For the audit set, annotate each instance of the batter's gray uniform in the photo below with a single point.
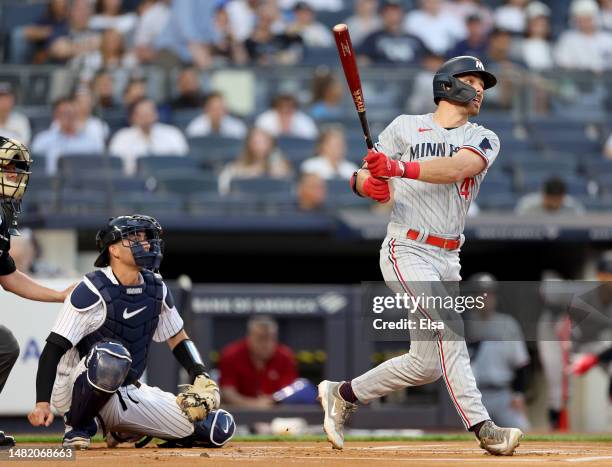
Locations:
(434, 209)
(142, 410)
(501, 350)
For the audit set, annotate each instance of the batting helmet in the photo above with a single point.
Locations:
(120, 228)
(447, 86)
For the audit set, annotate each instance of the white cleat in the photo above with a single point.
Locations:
(499, 441)
(337, 411)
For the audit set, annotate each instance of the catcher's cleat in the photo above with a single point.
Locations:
(114, 439)
(79, 438)
(6, 441)
(337, 411)
(499, 441)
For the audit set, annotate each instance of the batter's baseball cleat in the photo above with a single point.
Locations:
(79, 438)
(6, 441)
(499, 441)
(337, 411)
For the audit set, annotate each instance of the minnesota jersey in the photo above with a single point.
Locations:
(435, 208)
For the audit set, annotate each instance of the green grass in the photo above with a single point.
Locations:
(428, 437)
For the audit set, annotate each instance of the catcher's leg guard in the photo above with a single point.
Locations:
(107, 365)
(212, 432)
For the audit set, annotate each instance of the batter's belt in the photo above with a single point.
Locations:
(446, 243)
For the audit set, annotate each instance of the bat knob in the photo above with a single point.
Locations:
(340, 27)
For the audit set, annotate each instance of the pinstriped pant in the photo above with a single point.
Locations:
(415, 268)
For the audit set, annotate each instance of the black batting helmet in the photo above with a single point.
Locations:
(120, 228)
(447, 86)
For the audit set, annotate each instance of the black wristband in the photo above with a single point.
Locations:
(521, 377)
(50, 357)
(188, 356)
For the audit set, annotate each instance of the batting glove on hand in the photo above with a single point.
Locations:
(376, 189)
(584, 364)
(381, 166)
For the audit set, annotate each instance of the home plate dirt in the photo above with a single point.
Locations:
(280, 453)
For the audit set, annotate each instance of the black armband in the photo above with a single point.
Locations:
(188, 356)
(605, 356)
(353, 183)
(519, 384)
(55, 348)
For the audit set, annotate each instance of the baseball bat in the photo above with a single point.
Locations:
(351, 73)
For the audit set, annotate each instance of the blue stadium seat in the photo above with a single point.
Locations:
(338, 186)
(14, 14)
(80, 202)
(214, 203)
(348, 201)
(296, 149)
(545, 165)
(71, 165)
(113, 184)
(604, 182)
(214, 150)
(319, 56)
(182, 118)
(151, 203)
(601, 204)
(261, 185)
(497, 201)
(595, 168)
(154, 165)
(495, 183)
(187, 182)
(575, 185)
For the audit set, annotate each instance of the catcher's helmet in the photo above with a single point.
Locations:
(447, 86)
(14, 160)
(120, 228)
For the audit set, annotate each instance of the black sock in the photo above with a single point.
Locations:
(476, 428)
(346, 392)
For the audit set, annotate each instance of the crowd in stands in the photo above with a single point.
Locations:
(298, 131)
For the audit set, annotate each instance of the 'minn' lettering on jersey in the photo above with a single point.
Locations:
(432, 150)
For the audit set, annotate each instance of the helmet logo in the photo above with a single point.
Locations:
(479, 65)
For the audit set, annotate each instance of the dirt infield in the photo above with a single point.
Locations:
(464, 453)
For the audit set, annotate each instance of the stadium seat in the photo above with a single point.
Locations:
(595, 168)
(261, 185)
(113, 183)
(348, 200)
(214, 150)
(545, 165)
(214, 203)
(604, 182)
(320, 56)
(154, 165)
(14, 14)
(82, 202)
(76, 164)
(151, 203)
(497, 202)
(186, 182)
(337, 186)
(296, 149)
(495, 183)
(575, 185)
(182, 118)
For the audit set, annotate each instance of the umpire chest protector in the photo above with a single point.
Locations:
(132, 314)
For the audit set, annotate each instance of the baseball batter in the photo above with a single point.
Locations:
(435, 164)
(96, 353)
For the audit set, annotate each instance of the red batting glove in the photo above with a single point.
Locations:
(381, 166)
(376, 189)
(584, 364)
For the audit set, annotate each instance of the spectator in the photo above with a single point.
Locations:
(316, 5)
(65, 137)
(254, 368)
(475, 43)
(13, 124)
(606, 14)
(227, 48)
(391, 45)
(608, 147)
(83, 101)
(327, 93)
(242, 16)
(146, 136)
(285, 119)
(189, 90)
(364, 21)
(586, 47)
(536, 50)
(188, 35)
(553, 200)
(32, 40)
(26, 253)
(259, 158)
(135, 90)
(103, 92)
(152, 19)
(463, 9)
(215, 120)
(312, 32)
(438, 30)
(511, 16)
(509, 71)
(311, 192)
(498, 355)
(109, 14)
(421, 97)
(330, 161)
(270, 45)
(75, 45)
(110, 56)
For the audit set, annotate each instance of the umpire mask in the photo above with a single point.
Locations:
(15, 163)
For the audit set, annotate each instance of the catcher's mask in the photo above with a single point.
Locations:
(126, 230)
(15, 164)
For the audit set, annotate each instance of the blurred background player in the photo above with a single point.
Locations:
(15, 173)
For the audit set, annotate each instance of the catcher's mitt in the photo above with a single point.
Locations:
(197, 400)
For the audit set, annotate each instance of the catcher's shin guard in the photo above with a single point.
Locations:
(214, 431)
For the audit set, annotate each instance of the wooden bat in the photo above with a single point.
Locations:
(351, 73)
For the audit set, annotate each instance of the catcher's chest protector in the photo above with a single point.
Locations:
(132, 314)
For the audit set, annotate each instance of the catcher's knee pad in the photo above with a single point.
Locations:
(108, 364)
(215, 430)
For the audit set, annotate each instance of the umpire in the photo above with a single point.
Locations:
(15, 172)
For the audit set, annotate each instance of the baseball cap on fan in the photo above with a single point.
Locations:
(584, 8)
(535, 9)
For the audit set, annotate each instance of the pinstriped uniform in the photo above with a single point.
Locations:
(145, 410)
(414, 267)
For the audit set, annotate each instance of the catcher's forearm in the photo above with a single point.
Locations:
(188, 356)
(50, 357)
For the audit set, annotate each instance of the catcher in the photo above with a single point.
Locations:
(96, 353)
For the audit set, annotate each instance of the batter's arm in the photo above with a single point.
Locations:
(445, 170)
